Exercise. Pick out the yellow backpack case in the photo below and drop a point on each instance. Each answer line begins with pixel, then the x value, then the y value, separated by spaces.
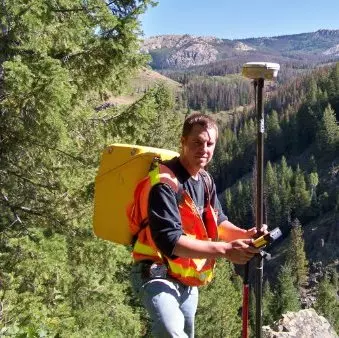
pixel 122 166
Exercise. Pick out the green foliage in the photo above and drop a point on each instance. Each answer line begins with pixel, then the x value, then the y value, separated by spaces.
pixel 285 191
pixel 296 256
pixel 101 298
pixel 273 205
pixel 216 93
pixel 300 120
pixel 151 121
pixel 269 308
pixel 57 60
pixel 312 92
pixel 275 142
pixel 328 132
pixel 239 203
pixel 286 293
pixel 36 283
pixel 301 196
pixel 268 305
pixel 217 314
pixel 327 303
pixel 314 181
pixel 57 284
pixel 56 56
pixel 252 313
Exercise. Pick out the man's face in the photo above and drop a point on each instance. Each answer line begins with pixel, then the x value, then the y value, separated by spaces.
pixel 198 147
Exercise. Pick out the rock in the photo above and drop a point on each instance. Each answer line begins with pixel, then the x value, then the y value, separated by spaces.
pixel 195 54
pixel 184 50
pixel 242 46
pixel 303 324
pixel 313 281
pixel 332 51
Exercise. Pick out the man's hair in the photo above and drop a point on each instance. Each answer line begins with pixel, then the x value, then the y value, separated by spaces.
pixel 202 120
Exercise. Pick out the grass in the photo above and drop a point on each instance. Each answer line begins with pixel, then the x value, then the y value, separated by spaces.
pixel 139 84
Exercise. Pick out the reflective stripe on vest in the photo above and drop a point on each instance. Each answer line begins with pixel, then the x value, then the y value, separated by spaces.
pixel 193 272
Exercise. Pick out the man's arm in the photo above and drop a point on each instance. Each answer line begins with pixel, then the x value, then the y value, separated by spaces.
pixel 238 251
pixel 228 232
pixel 167 233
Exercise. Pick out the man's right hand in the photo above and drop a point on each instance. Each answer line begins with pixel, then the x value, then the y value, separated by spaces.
pixel 240 251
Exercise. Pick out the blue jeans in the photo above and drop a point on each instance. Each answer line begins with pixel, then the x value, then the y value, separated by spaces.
pixel 170 304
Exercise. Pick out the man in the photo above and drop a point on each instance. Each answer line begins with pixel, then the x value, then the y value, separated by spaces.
pixel 184 230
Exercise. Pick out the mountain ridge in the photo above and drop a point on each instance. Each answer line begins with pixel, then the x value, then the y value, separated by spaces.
pixel 185 51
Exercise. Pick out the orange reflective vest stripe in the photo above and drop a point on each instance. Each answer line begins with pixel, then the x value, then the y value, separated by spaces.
pixel 189 271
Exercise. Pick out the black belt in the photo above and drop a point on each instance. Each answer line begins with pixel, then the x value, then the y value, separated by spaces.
pixel 150 269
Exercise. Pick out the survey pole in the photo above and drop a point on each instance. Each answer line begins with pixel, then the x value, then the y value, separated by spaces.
pixel 259 72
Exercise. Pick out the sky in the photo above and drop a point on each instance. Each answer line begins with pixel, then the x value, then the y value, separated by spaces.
pixel 237 19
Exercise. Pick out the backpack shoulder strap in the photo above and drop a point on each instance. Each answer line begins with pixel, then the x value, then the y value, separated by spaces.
pixel 137 215
pixel 208 184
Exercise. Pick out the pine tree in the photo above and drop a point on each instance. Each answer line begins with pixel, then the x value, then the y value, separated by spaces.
pixel 271 181
pixel 268 305
pixel 285 172
pixel 335 76
pixel 274 143
pixel 296 256
pixel 328 132
pixel 312 91
pixel 272 196
pixel 286 293
pixel 302 198
pixel 285 175
pixel 327 303
pixel 59 59
pixel 239 201
pixel 314 180
pixel 220 301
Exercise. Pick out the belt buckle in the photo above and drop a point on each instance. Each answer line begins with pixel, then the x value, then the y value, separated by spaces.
pixel 158 270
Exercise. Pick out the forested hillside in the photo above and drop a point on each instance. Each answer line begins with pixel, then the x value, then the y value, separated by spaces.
pixel 301 150
pixel 60 65
pixel 206 65
pixel 301 193
pixel 59 61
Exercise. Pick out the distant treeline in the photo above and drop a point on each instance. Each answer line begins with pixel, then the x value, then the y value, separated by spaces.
pixel 215 87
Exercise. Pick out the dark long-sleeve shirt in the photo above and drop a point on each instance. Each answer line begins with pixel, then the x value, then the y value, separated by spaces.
pixel 163 212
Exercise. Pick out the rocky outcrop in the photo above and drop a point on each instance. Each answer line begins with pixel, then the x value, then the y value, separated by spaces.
pixel 183 51
pixel 303 324
pixel 242 46
pixel 332 51
pixel 176 41
pixel 308 292
pixel 194 55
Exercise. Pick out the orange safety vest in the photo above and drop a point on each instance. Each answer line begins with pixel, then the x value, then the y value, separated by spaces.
pixel 189 271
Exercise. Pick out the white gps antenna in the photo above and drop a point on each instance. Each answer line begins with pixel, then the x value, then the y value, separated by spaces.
pixel 259 72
